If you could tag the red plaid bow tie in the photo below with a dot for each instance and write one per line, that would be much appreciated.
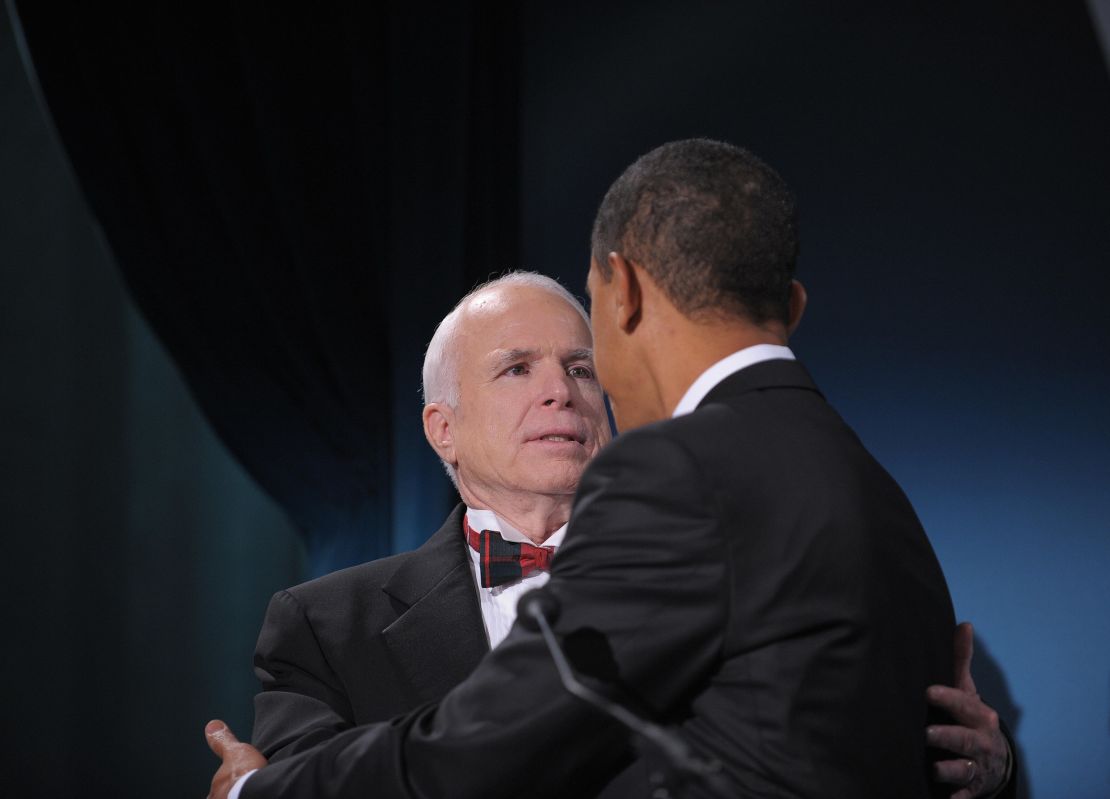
(506, 561)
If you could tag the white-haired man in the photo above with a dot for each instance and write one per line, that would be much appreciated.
(514, 410)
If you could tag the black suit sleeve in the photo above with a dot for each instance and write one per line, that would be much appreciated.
(302, 703)
(641, 582)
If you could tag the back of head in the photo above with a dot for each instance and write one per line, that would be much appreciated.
(712, 224)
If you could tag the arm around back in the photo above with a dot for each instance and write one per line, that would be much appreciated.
(641, 584)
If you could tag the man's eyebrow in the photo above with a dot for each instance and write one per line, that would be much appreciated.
(584, 354)
(508, 357)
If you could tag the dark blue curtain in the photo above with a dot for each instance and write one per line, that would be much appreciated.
(294, 199)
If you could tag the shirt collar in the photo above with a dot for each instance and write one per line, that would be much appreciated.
(728, 365)
(481, 519)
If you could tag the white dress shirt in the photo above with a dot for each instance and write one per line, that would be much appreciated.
(498, 604)
(729, 365)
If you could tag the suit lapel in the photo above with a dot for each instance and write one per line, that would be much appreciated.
(439, 637)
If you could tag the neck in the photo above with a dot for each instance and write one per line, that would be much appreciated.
(536, 516)
(677, 357)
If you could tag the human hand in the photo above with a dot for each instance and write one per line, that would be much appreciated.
(238, 758)
(984, 765)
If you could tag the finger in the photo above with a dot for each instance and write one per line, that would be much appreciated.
(963, 646)
(963, 707)
(955, 772)
(957, 740)
(219, 737)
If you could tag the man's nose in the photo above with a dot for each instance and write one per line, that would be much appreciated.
(557, 389)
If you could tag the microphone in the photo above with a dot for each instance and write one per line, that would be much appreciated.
(537, 611)
(536, 606)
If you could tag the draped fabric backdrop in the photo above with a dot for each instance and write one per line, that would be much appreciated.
(274, 187)
(292, 199)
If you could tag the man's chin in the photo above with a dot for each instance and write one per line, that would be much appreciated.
(556, 477)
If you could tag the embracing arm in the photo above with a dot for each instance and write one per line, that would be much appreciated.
(300, 706)
(985, 764)
(302, 702)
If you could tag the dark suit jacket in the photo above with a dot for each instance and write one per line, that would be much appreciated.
(367, 643)
(748, 572)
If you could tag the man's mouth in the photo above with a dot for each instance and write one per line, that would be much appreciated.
(562, 437)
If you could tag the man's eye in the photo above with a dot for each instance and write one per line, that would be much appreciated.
(519, 369)
(584, 372)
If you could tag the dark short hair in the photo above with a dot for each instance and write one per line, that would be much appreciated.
(712, 224)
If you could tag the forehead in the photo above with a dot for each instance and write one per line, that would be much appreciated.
(520, 317)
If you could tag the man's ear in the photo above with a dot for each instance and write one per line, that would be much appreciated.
(627, 297)
(796, 306)
(439, 420)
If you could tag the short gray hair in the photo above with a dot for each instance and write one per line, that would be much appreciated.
(441, 372)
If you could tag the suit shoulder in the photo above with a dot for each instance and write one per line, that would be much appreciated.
(658, 458)
(372, 587)
(640, 442)
(668, 437)
(363, 576)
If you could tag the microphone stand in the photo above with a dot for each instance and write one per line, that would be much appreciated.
(684, 765)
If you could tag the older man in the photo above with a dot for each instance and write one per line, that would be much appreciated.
(515, 411)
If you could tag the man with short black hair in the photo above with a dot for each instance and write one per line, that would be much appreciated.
(728, 247)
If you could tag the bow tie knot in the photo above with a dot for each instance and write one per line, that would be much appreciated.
(504, 561)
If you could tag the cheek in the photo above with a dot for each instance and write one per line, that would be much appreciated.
(598, 417)
(604, 434)
(503, 422)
